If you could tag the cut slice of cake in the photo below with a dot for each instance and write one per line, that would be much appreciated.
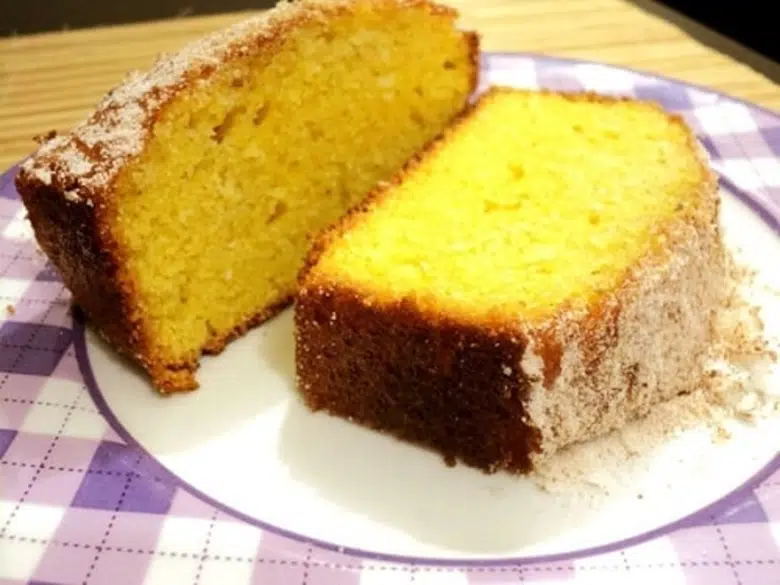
(545, 272)
(180, 211)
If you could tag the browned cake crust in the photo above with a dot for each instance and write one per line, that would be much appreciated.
(495, 395)
(416, 376)
(67, 185)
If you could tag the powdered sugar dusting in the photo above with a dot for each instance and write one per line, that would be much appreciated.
(646, 342)
(731, 391)
(84, 162)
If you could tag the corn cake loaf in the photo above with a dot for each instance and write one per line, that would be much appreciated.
(180, 211)
(544, 272)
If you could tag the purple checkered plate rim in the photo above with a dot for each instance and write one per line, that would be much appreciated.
(699, 517)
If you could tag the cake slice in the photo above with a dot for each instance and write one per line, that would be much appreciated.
(180, 211)
(545, 272)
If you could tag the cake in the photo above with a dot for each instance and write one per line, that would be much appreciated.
(179, 212)
(544, 272)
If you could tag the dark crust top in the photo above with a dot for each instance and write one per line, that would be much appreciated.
(83, 163)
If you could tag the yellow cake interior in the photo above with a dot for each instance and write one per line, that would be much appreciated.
(536, 200)
(215, 217)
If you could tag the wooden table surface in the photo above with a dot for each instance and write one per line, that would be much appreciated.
(50, 81)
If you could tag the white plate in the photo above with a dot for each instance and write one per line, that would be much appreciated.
(245, 442)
